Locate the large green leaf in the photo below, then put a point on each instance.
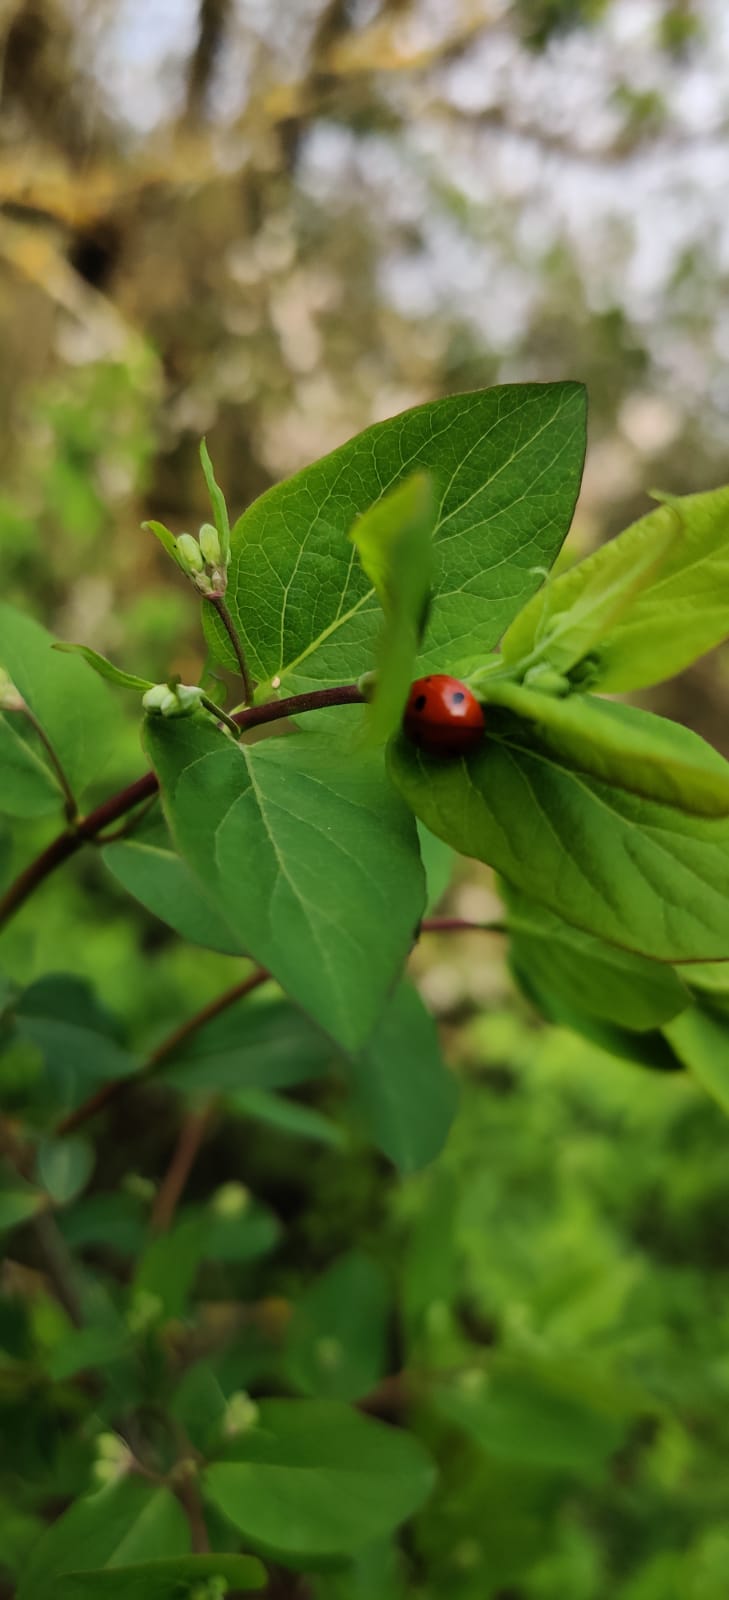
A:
(163, 1580)
(506, 464)
(401, 1082)
(394, 541)
(336, 1340)
(300, 846)
(634, 871)
(572, 613)
(28, 787)
(675, 617)
(130, 1520)
(149, 868)
(620, 745)
(71, 704)
(315, 1479)
(585, 974)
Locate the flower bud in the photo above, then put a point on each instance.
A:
(189, 549)
(241, 1414)
(176, 700)
(210, 544)
(153, 698)
(231, 1200)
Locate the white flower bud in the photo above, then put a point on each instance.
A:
(189, 549)
(210, 544)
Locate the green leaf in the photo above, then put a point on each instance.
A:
(336, 1340)
(583, 973)
(506, 465)
(217, 500)
(60, 1016)
(648, 1049)
(682, 612)
(86, 1350)
(700, 1038)
(29, 788)
(268, 1045)
(402, 1084)
(163, 1580)
(302, 1122)
(540, 1413)
(128, 1521)
(148, 867)
(168, 542)
(168, 1268)
(64, 1167)
(18, 1202)
(300, 846)
(572, 613)
(394, 541)
(314, 1479)
(105, 669)
(635, 750)
(635, 871)
(72, 707)
(439, 862)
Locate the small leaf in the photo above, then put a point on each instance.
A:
(582, 972)
(336, 1340)
(168, 1268)
(64, 1167)
(105, 669)
(300, 845)
(394, 543)
(402, 1084)
(163, 1580)
(168, 542)
(29, 788)
(217, 500)
(128, 1521)
(572, 613)
(314, 1479)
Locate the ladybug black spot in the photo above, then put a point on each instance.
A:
(458, 697)
(420, 703)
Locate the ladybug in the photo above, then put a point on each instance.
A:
(442, 716)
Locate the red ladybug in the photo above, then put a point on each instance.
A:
(442, 716)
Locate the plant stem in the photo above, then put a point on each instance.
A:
(192, 1133)
(232, 632)
(69, 797)
(460, 925)
(220, 715)
(85, 829)
(169, 1047)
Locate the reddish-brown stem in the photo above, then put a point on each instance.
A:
(191, 1136)
(232, 632)
(164, 1051)
(88, 828)
(460, 925)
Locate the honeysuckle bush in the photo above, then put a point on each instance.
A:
(286, 822)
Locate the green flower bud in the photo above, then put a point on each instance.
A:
(176, 700)
(241, 1414)
(231, 1200)
(189, 549)
(210, 544)
(113, 1458)
(153, 698)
